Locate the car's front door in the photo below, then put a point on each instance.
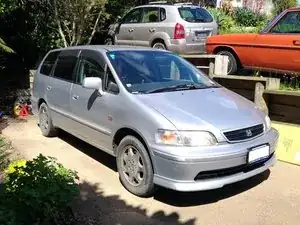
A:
(59, 87)
(279, 46)
(126, 29)
(91, 110)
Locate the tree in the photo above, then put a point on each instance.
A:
(4, 47)
(75, 21)
(281, 5)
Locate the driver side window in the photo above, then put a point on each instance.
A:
(290, 23)
(133, 16)
(89, 68)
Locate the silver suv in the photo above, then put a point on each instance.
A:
(181, 28)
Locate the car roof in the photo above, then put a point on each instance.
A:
(107, 48)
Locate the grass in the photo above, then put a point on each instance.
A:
(287, 87)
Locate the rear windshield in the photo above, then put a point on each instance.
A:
(195, 15)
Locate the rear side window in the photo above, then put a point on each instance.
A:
(195, 15)
(65, 67)
(48, 63)
(150, 15)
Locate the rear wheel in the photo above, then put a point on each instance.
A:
(232, 61)
(135, 167)
(45, 122)
(159, 45)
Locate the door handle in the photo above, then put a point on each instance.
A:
(152, 30)
(75, 97)
(130, 30)
(296, 42)
(49, 88)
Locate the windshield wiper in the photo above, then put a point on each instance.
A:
(175, 88)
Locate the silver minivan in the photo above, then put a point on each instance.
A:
(181, 28)
(167, 123)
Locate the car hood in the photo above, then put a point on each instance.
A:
(231, 38)
(216, 108)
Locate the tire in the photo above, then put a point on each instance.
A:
(135, 167)
(45, 121)
(232, 62)
(159, 45)
(109, 41)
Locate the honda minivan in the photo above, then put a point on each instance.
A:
(181, 27)
(166, 122)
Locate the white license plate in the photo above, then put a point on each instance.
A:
(258, 153)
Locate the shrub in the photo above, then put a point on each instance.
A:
(39, 192)
(281, 5)
(248, 18)
(224, 21)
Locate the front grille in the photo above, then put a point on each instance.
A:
(231, 171)
(245, 133)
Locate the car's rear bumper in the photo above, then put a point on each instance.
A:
(205, 173)
(181, 47)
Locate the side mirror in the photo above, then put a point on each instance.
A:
(94, 83)
(112, 87)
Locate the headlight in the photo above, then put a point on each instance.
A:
(268, 123)
(185, 138)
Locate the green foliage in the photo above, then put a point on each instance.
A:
(281, 5)
(13, 167)
(224, 20)
(248, 18)
(4, 47)
(4, 161)
(38, 193)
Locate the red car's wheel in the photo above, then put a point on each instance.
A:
(232, 61)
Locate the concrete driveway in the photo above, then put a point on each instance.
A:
(270, 198)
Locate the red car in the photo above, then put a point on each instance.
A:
(275, 49)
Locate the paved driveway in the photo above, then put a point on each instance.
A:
(271, 198)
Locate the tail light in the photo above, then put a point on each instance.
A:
(179, 32)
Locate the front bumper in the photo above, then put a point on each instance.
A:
(179, 172)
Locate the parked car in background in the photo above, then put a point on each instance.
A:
(181, 28)
(275, 49)
(167, 123)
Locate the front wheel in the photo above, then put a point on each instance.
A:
(135, 167)
(109, 41)
(232, 62)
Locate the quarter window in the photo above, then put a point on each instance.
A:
(289, 24)
(65, 67)
(48, 63)
(89, 68)
(162, 14)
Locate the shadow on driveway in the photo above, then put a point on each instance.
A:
(178, 199)
(93, 207)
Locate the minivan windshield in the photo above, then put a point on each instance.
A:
(195, 15)
(147, 71)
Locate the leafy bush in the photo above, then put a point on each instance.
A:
(14, 165)
(39, 192)
(224, 21)
(281, 5)
(248, 18)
